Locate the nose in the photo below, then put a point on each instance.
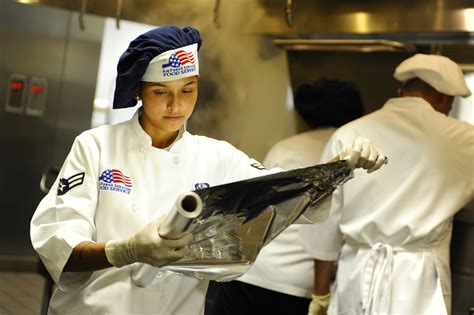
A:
(174, 104)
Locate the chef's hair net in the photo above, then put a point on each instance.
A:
(162, 54)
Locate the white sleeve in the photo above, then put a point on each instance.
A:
(272, 158)
(238, 166)
(280, 156)
(65, 216)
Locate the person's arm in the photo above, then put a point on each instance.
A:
(87, 256)
(65, 216)
(321, 290)
(322, 276)
(145, 246)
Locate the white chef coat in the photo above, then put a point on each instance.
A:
(103, 204)
(396, 222)
(284, 265)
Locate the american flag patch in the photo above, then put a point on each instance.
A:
(179, 58)
(115, 176)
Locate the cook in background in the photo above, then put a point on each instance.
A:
(281, 279)
(102, 217)
(392, 230)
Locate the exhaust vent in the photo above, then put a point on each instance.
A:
(351, 45)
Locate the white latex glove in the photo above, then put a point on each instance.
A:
(363, 153)
(148, 247)
(319, 304)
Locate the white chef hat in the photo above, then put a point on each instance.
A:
(440, 72)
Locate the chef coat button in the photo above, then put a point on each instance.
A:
(159, 275)
(137, 209)
(176, 160)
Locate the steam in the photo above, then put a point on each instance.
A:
(243, 76)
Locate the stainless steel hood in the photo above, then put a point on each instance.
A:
(301, 17)
(357, 45)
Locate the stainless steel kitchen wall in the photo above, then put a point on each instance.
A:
(244, 86)
(301, 17)
(40, 42)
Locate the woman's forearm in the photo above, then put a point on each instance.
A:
(87, 256)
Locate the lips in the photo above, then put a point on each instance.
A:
(173, 118)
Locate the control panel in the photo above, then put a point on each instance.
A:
(26, 95)
(16, 93)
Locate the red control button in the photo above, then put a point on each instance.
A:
(36, 89)
(16, 85)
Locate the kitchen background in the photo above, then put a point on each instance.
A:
(57, 71)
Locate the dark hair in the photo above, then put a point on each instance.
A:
(328, 102)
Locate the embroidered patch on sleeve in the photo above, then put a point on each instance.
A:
(66, 184)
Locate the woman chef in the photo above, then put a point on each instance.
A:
(103, 213)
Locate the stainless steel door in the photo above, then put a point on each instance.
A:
(46, 46)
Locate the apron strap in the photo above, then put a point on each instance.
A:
(377, 279)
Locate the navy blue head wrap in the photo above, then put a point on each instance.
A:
(134, 61)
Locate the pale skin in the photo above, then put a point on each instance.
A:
(166, 108)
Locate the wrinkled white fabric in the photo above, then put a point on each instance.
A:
(405, 209)
(106, 206)
(377, 279)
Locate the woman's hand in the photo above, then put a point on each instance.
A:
(148, 247)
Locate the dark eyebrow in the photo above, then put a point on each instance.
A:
(190, 82)
(158, 84)
(165, 86)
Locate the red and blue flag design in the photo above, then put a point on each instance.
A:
(179, 58)
(115, 176)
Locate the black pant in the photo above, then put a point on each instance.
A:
(239, 298)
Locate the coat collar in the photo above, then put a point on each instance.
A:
(409, 101)
(144, 139)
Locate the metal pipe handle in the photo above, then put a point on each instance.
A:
(188, 206)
